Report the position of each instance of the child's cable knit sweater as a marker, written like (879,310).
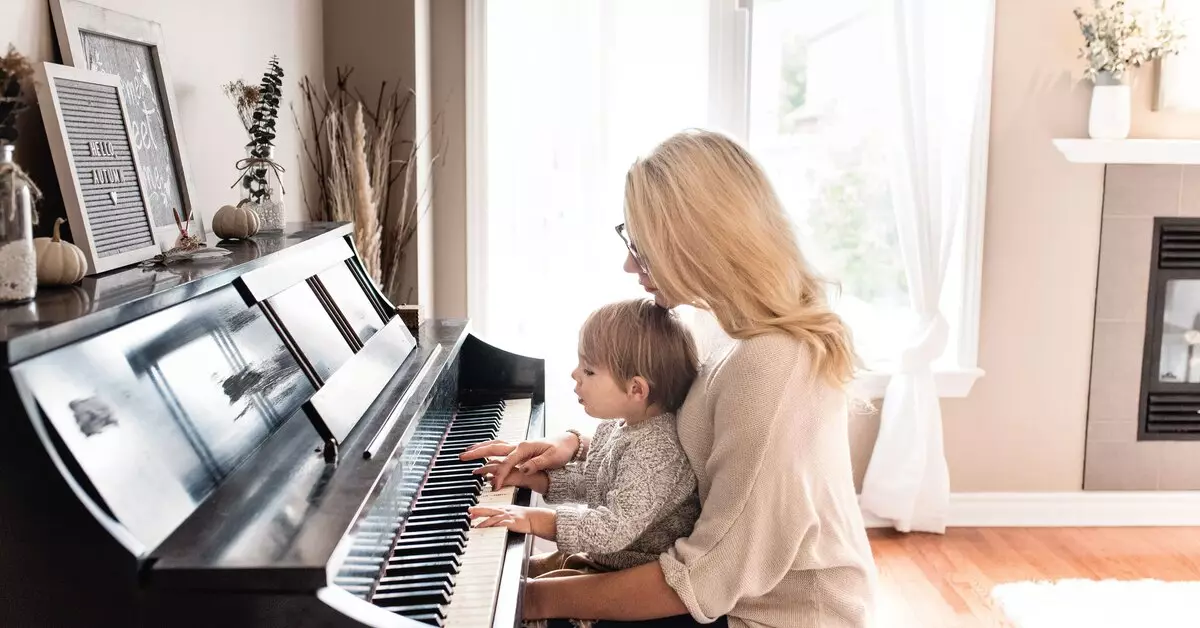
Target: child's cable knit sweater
(631,499)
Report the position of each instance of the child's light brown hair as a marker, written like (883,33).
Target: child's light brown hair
(638,338)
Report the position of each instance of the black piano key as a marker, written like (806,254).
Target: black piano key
(464,488)
(436,597)
(450,519)
(429,579)
(408,610)
(427,588)
(457,503)
(449,509)
(456,547)
(419,534)
(422,567)
(414,559)
(439,525)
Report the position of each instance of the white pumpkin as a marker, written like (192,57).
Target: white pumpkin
(235,223)
(58,263)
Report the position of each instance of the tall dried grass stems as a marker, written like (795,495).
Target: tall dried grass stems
(351,147)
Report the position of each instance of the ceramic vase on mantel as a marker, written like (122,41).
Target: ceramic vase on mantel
(1109,117)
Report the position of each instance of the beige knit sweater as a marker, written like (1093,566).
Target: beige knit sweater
(780,541)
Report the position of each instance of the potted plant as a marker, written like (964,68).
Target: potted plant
(1118,39)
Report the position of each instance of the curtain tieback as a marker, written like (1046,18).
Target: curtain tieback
(931,342)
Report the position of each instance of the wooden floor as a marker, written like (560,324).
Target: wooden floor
(934,581)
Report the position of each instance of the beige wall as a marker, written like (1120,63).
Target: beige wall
(207,44)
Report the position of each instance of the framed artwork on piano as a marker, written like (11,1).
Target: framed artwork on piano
(95,38)
(103,186)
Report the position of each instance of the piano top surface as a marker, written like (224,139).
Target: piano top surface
(62,315)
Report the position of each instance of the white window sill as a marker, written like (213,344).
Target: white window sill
(951,382)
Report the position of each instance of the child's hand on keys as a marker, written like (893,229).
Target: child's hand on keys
(538,481)
(539,522)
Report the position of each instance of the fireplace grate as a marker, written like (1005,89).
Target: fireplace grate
(1179,246)
(1173,413)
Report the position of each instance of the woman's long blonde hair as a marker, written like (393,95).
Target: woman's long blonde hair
(713,233)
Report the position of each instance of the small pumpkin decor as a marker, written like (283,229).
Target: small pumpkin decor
(236,223)
(59,263)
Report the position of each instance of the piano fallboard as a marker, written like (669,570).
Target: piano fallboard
(246,443)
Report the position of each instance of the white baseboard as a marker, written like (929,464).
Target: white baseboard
(1066,510)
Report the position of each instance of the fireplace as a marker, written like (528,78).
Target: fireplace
(1169,405)
(1143,425)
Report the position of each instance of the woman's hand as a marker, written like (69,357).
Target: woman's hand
(528,456)
(539,522)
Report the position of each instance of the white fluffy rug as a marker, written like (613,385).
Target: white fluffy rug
(1116,603)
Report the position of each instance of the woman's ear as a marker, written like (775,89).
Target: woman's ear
(639,388)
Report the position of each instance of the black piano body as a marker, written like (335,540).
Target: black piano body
(257,440)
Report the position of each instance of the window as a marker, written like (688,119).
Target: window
(818,124)
(574,91)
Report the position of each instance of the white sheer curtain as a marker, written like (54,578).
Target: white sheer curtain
(943,52)
(576,90)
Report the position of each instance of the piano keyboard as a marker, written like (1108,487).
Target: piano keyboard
(440,570)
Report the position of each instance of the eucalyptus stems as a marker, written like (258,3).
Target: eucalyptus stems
(14,70)
(262,132)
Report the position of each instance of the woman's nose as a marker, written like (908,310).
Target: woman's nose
(631,265)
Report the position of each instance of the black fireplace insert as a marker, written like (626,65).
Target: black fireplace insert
(1169,405)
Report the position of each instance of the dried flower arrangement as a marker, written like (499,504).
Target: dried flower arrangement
(350,146)
(1119,37)
(262,129)
(14,71)
(245,99)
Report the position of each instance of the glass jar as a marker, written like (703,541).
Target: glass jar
(258,185)
(18,263)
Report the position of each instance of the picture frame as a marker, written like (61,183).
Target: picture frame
(94,38)
(91,141)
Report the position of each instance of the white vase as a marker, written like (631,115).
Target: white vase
(1109,118)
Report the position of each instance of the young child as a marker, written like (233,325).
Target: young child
(635,494)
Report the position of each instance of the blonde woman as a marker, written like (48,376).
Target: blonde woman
(780,541)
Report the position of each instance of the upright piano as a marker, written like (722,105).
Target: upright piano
(253,441)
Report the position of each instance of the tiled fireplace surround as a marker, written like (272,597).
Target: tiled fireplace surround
(1115,459)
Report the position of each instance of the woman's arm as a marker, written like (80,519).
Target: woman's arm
(634,594)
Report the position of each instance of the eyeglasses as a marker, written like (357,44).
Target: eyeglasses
(632,250)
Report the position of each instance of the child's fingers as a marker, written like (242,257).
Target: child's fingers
(483,511)
(502,519)
(485,443)
(487,450)
(487,469)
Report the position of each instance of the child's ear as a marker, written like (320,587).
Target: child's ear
(639,388)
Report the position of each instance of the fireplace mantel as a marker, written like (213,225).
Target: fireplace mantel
(1130,151)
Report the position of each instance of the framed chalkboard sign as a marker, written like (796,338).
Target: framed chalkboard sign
(99,39)
(91,139)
